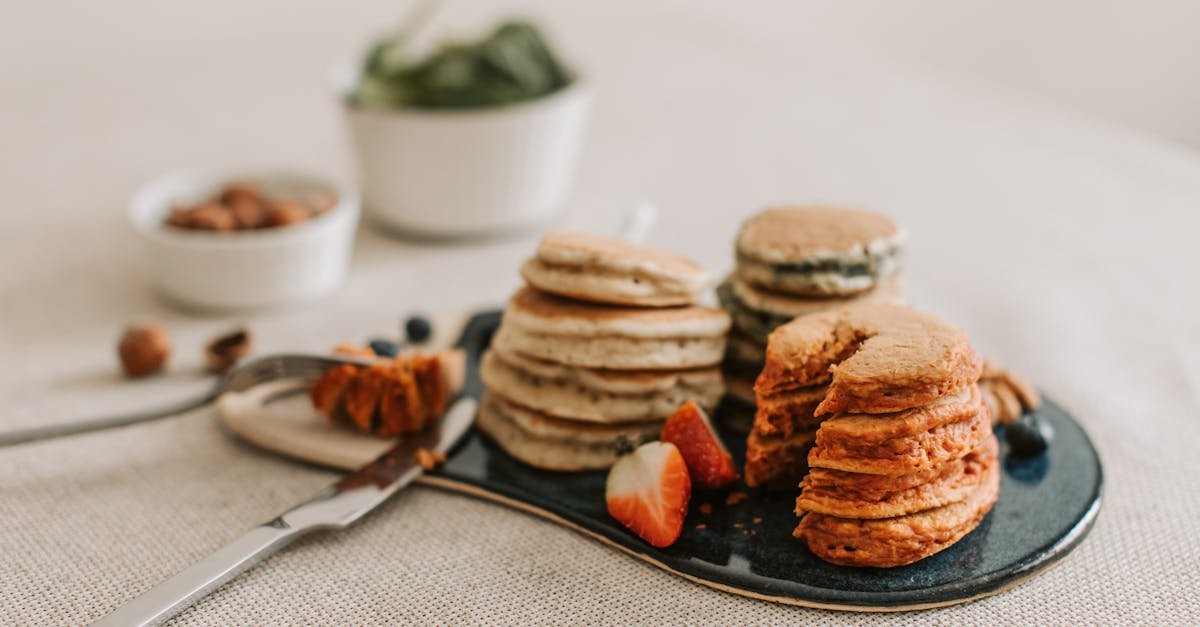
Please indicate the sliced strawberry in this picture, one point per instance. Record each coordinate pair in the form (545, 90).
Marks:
(648, 492)
(708, 461)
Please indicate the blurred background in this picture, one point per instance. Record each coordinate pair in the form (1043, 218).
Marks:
(1130, 63)
(706, 108)
(1127, 63)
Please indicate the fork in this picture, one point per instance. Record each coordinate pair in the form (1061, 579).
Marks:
(243, 377)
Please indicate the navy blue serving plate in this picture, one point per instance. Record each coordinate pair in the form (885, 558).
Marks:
(1046, 507)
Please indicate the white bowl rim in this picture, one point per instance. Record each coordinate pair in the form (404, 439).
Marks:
(149, 206)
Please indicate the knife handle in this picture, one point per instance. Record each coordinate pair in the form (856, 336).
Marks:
(335, 507)
(167, 598)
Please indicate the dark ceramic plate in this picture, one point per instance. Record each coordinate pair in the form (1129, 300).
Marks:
(1047, 505)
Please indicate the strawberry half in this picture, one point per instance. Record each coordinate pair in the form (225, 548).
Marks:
(708, 461)
(648, 492)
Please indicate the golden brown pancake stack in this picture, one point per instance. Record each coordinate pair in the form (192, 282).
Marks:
(793, 261)
(602, 344)
(903, 461)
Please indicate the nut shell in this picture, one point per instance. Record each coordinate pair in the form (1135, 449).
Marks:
(223, 351)
(212, 217)
(285, 212)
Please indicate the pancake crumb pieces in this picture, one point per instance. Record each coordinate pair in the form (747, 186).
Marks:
(735, 497)
(430, 460)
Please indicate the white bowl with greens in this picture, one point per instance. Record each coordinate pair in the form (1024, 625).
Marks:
(472, 139)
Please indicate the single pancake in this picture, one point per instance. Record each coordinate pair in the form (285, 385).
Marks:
(876, 358)
(605, 270)
(756, 312)
(551, 443)
(598, 396)
(569, 332)
(818, 250)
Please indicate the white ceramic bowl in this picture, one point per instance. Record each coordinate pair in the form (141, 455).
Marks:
(244, 269)
(468, 172)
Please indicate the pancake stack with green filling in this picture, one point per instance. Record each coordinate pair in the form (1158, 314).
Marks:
(604, 342)
(793, 261)
(903, 461)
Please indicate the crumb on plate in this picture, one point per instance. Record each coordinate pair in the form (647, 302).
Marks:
(429, 460)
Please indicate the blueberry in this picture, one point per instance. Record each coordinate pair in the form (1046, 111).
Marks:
(417, 329)
(383, 348)
(1028, 437)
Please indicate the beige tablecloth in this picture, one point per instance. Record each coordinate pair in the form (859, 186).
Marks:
(1065, 247)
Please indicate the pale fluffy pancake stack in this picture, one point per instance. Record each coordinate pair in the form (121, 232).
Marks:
(604, 342)
(903, 463)
(794, 261)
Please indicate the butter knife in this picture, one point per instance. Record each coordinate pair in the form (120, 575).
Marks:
(336, 507)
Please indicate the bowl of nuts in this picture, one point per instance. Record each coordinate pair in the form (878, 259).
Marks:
(240, 240)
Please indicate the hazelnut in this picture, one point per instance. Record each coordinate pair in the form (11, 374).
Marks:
(223, 351)
(285, 212)
(181, 217)
(249, 214)
(243, 206)
(144, 349)
(235, 193)
(213, 217)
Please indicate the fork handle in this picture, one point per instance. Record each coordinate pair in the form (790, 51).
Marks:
(166, 599)
(22, 436)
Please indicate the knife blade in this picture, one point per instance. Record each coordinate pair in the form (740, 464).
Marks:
(336, 507)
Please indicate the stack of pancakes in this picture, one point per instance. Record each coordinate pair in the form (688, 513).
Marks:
(794, 261)
(904, 460)
(602, 344)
